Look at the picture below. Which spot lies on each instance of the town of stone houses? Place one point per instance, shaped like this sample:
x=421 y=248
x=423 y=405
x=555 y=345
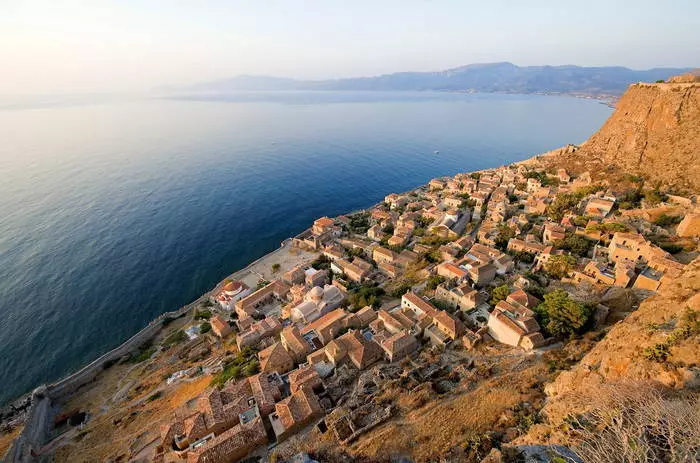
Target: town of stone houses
x=372 y=332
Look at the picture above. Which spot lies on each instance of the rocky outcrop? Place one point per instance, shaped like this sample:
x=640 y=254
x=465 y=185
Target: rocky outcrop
x=654 y=132
x=657 y=343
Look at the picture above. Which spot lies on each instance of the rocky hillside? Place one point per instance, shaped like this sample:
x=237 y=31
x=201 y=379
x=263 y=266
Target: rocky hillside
x=658 y=344
x=654 y=132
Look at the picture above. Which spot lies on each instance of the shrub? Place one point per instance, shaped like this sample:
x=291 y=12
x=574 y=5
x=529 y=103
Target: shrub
x=505 y=233
x=174 y=338
x=575 y=244
x=205 y=327
x=559 y=266
x=434 y=281
x=654 y=197
x=276 y=268
x=142 y=355
x=365 y=295
x=561 y=316
x=657 y=353
x=665 y=220
x=359 y=223
x=155 y=396
x=202 y=315
x=322 y=262
x=499 y=294
x=526 y=257
x=243 y=365
x=608 y=227
x=401 y=289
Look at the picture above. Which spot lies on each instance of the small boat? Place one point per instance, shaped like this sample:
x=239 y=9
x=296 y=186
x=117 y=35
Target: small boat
x=436 y=152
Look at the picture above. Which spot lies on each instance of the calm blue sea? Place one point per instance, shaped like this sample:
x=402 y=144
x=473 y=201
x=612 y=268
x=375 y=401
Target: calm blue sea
x=114 y=212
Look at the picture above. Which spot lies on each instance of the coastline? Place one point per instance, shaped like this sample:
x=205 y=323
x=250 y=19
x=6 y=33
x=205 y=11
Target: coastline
x=23 y=401
x=41 y=402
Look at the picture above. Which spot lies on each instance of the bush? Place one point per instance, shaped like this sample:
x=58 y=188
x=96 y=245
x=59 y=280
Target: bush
x=365 y=295
x=575 y=244
x=561 y=316
x=175 y=338
x=434 y=281
x=205 y=327
x=608 y=227
x=526 y=257
x=142 y=355
x=665 y=220
x=322 y=262
x=401 y=289
x=202 y=315
x=559 y=266
x=499 y=294
x=276 y=268
x=562 y=204
x=243 y=365
x=654 y=197
x=359 y=223
x=505 y=233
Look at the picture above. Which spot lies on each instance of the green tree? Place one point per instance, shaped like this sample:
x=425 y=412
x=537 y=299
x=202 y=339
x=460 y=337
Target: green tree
x=322 y=262
x=505 y=233
x=560 y=315
x=559 y=266
x=499 y=294
x=275 y=268
x=526 y=257
x=576 y=244
x=205 y=327
x=434 y=281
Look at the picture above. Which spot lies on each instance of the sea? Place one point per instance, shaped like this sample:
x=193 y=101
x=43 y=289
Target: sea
x=115 y=210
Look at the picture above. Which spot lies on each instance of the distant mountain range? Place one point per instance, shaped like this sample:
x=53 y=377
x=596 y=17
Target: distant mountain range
x=488 y=78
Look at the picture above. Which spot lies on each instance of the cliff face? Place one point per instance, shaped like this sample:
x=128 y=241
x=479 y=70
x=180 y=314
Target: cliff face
x=634 y=349
x=654 y=132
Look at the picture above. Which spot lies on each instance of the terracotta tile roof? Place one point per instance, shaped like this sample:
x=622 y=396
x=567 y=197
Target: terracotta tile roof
x=451 y=324
x=275 y=358
x=323 y=222
x=421 y=303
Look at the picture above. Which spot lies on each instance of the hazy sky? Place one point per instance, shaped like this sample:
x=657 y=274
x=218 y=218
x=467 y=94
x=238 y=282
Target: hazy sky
x=70 y=46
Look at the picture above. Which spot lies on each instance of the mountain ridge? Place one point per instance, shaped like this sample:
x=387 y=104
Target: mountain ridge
x=498 y=77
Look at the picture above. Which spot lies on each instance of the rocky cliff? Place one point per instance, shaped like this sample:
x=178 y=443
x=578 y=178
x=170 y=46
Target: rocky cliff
x=654 y=132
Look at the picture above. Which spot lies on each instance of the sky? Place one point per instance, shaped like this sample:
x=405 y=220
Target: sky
x=95 y=46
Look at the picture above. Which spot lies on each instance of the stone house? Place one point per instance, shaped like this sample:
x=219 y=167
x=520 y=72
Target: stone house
x=514 y=325
x=295 y=412
x=263 y=329
x=275 y=358
x=294 y=343
x=452 y=272
x=451 y=326
x=246 y=306
x=399 y=345
x=417 y=304
x=305 y=376
x=219 y=326
x=462 y=297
